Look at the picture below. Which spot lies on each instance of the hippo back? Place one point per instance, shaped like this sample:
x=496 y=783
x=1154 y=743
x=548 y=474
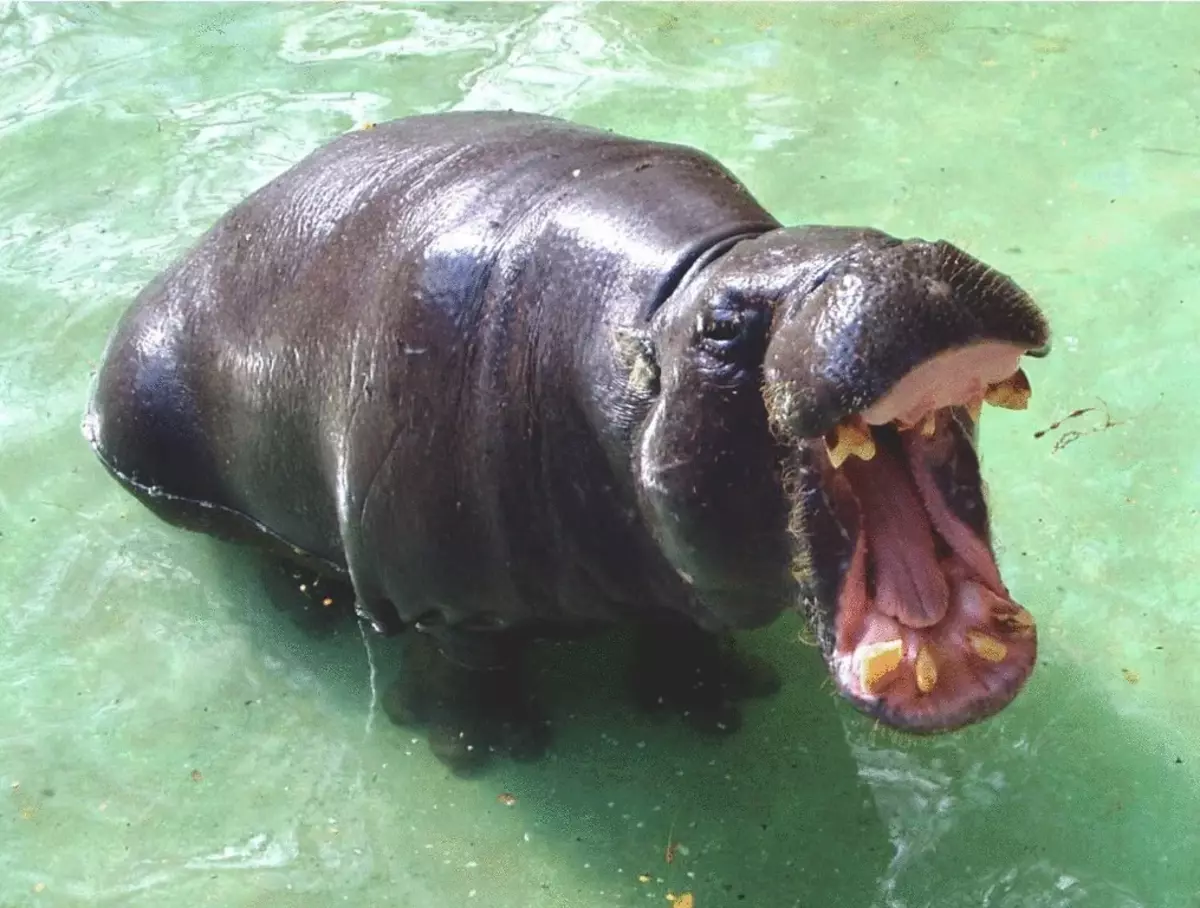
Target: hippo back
x=397 y=357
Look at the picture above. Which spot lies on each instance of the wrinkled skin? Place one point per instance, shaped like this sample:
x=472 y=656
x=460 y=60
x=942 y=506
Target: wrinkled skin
x=509 y=376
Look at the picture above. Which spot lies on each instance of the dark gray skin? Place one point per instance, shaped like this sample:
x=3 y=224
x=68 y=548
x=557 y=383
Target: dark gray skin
x=507 y=375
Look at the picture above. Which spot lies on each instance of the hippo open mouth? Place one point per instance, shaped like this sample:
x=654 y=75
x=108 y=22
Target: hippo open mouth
x=925 y=635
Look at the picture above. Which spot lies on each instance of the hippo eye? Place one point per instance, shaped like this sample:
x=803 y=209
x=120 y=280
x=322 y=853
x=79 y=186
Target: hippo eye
x=726 y=332
x=722 y=326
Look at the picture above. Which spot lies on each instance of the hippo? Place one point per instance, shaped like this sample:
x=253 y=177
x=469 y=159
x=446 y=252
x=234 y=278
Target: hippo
x=508 y=377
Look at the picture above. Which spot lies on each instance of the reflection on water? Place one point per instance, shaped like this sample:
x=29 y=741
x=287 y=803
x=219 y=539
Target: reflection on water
x=169 y=734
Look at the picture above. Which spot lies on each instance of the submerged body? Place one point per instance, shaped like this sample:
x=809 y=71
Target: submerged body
x=502 y=371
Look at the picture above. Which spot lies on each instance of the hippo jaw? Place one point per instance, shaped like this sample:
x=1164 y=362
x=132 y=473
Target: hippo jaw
x=902 y=345
x=921 y=631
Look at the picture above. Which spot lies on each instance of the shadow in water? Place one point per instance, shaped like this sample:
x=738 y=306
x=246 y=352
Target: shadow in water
x=807 y=803
x=774 y=812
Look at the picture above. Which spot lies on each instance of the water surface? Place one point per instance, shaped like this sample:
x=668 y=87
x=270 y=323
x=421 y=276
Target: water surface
x=166 y=738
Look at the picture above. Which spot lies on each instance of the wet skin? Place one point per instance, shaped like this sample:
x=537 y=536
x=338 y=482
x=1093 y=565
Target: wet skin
x=508 y=376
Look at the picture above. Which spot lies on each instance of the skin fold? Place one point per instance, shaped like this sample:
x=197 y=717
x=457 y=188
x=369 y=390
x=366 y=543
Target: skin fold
x=505 y=377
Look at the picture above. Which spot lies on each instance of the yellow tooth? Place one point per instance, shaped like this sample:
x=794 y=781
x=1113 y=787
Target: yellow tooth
x=975 y=408
x=927 y=672
x=1012 y=393
x=878 y=661
x=987 y=647
x=852 y=437
x=929 y=426
x=1019 y=622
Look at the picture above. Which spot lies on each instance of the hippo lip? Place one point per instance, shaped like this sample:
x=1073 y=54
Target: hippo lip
x=925 y=636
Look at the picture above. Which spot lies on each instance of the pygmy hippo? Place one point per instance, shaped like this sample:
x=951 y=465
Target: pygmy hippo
x=508 y=375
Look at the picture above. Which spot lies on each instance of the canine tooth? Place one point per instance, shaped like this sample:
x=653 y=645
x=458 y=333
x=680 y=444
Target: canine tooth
x=927 y=671
x=1012 y=393
x=929 y=425
x=987 y=647
x=852 y=437
x=1020 y=622
x=878 y=661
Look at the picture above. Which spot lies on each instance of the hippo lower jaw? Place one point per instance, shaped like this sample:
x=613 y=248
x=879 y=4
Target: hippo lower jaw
x=925 y=637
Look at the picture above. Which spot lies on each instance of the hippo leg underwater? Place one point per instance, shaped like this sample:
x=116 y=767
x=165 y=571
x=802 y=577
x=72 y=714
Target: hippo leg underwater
x=510 y=376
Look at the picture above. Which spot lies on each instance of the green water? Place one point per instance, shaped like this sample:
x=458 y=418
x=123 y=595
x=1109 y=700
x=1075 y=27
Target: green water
x=165 y=739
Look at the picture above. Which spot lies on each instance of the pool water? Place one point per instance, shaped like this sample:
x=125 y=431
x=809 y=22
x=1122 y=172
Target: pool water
x=169 y=737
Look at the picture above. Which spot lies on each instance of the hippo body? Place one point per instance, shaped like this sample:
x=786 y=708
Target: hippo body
x=503 y=372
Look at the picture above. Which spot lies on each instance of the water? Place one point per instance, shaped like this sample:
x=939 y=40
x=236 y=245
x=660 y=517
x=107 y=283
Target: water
x=165 y=739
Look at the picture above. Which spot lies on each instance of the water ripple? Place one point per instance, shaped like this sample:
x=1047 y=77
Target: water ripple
x=562 y=58
x=55 y=58
x=238 y=142
x=261 y=850
x=344 y=32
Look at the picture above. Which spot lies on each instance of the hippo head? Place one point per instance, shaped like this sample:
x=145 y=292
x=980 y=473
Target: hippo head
x=812 y=446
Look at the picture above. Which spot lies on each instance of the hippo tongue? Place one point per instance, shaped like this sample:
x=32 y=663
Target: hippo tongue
x=966 y=545
x=909 y=583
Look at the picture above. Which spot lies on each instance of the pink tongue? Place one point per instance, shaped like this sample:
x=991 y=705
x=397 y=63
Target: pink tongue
x=909 y=584
x=966 y=545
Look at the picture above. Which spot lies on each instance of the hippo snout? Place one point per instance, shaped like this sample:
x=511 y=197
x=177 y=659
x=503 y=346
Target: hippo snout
x=884 y=313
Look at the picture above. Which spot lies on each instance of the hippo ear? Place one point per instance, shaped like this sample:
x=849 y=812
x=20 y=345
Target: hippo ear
x=636 y=354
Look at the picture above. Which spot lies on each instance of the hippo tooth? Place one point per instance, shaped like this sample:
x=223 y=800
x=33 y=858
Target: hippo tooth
x=927 y=424
x=1012 y=393
x=1018 y=621
x=975 y=407
x=987 y=647
x=852 y=437
x=927 y=670
x=878 y=661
